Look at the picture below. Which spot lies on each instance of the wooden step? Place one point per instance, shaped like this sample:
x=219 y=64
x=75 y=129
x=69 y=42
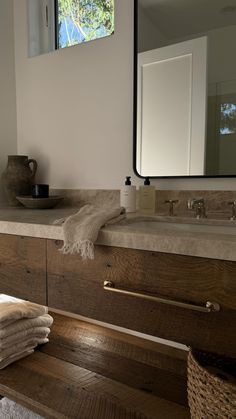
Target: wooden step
x=57 y=389
x=155 y=368
x=84 y=371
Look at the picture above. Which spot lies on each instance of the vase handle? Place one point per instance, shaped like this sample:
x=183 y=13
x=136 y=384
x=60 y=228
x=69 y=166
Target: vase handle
x=35 y=166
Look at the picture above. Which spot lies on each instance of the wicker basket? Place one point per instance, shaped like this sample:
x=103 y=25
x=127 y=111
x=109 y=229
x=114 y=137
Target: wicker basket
x=211 y=386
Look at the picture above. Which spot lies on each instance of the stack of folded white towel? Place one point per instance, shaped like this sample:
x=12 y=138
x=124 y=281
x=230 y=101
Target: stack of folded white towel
x=23 y=326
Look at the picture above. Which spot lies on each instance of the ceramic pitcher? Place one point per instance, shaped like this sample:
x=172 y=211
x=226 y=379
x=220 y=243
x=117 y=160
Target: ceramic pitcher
x=18 y=177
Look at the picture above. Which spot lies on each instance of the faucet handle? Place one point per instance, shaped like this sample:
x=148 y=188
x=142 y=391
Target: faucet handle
x=171 y=203
x=233 y=203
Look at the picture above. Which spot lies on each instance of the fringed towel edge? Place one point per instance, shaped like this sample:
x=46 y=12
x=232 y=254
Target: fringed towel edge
x=85 y=248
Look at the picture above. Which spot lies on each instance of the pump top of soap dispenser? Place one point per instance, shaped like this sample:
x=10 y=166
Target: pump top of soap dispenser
x=128 y=181
x=128 y=196
x=147 y=181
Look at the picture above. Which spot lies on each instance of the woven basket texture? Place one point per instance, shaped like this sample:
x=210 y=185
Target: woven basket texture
x=211 y=386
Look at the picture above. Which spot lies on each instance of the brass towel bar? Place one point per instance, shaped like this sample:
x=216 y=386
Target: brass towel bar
x=209 y=306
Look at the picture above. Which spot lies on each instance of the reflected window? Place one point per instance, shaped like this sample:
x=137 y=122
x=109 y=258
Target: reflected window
x=227 y=118
x=79 y=21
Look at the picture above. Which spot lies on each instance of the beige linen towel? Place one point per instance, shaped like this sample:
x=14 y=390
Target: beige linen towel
x=81 y=229
x=15 y=358
x=25 y=324
x=22 y=347
x=35 y=332
x=12 y=309
x=13 y=410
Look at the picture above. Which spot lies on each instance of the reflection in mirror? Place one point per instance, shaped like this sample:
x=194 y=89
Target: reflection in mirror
x=56 y=24
x=186 y=95
x=172 y=105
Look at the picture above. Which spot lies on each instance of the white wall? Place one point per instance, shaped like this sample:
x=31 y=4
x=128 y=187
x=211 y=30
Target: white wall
x=222 y=64
x=74 y=109
x=7 y=85
x=74 y=106
x=150 y=36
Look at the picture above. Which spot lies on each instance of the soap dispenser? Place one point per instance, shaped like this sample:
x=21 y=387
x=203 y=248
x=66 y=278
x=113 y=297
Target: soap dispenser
x=147 y=198
x=128 y=196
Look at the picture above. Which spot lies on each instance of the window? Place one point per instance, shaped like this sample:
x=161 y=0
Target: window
x=79 y=21
x=227 y=118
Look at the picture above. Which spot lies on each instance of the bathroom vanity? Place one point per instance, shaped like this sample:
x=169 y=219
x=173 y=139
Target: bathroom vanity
x=150 y=276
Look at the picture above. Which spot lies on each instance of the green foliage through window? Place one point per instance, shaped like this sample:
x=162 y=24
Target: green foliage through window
x=84 y=20
x=227 y=118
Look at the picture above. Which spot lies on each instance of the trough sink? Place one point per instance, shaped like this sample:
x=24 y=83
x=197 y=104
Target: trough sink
x=158 y=225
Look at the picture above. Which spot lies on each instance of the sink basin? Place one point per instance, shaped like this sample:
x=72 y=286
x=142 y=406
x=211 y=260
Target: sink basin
x=158 y=226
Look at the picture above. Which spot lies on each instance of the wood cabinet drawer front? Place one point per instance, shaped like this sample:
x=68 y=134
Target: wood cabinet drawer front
x=78 y=287
x=23 y=267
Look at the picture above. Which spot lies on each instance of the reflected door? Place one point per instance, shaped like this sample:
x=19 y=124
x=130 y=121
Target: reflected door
x=171 y=109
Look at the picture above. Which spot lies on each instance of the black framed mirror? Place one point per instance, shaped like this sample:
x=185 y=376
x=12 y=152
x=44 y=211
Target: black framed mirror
x=184 y=88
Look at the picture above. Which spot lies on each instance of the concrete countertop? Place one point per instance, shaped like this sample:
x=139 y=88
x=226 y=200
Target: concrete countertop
x=33 y=223
x=154 y=233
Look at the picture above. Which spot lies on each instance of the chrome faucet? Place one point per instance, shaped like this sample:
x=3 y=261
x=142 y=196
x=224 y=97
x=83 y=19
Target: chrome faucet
x=199 y=206
x=233 y=216
x=171 y=203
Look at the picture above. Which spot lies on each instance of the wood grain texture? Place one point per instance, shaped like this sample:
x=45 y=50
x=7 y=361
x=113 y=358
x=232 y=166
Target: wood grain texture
x=145 y=365
x=23 y=267
x=77 y=286
x=54 y=382
x=57 y=389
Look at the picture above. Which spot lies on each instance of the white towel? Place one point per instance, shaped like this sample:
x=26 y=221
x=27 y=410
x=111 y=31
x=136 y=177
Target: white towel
x=35 y=332
x=23 y=346
x=81 y=229
x=15 y=357
x=24 y=324
x=12 y=309
x=12 y=410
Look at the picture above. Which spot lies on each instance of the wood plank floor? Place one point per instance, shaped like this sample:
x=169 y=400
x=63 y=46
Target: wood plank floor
x=58 y=388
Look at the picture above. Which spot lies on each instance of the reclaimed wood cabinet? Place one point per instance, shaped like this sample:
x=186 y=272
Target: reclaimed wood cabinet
x=23 y=267
x=77 y=286
x=34 y=269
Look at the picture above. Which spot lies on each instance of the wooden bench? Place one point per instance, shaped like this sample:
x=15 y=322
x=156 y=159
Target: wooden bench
x=91 y=372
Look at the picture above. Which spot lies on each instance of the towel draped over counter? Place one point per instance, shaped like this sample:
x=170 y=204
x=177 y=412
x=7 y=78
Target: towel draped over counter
x=81 y=229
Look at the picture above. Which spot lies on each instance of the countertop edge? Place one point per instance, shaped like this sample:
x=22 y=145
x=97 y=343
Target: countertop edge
x=213 y=247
